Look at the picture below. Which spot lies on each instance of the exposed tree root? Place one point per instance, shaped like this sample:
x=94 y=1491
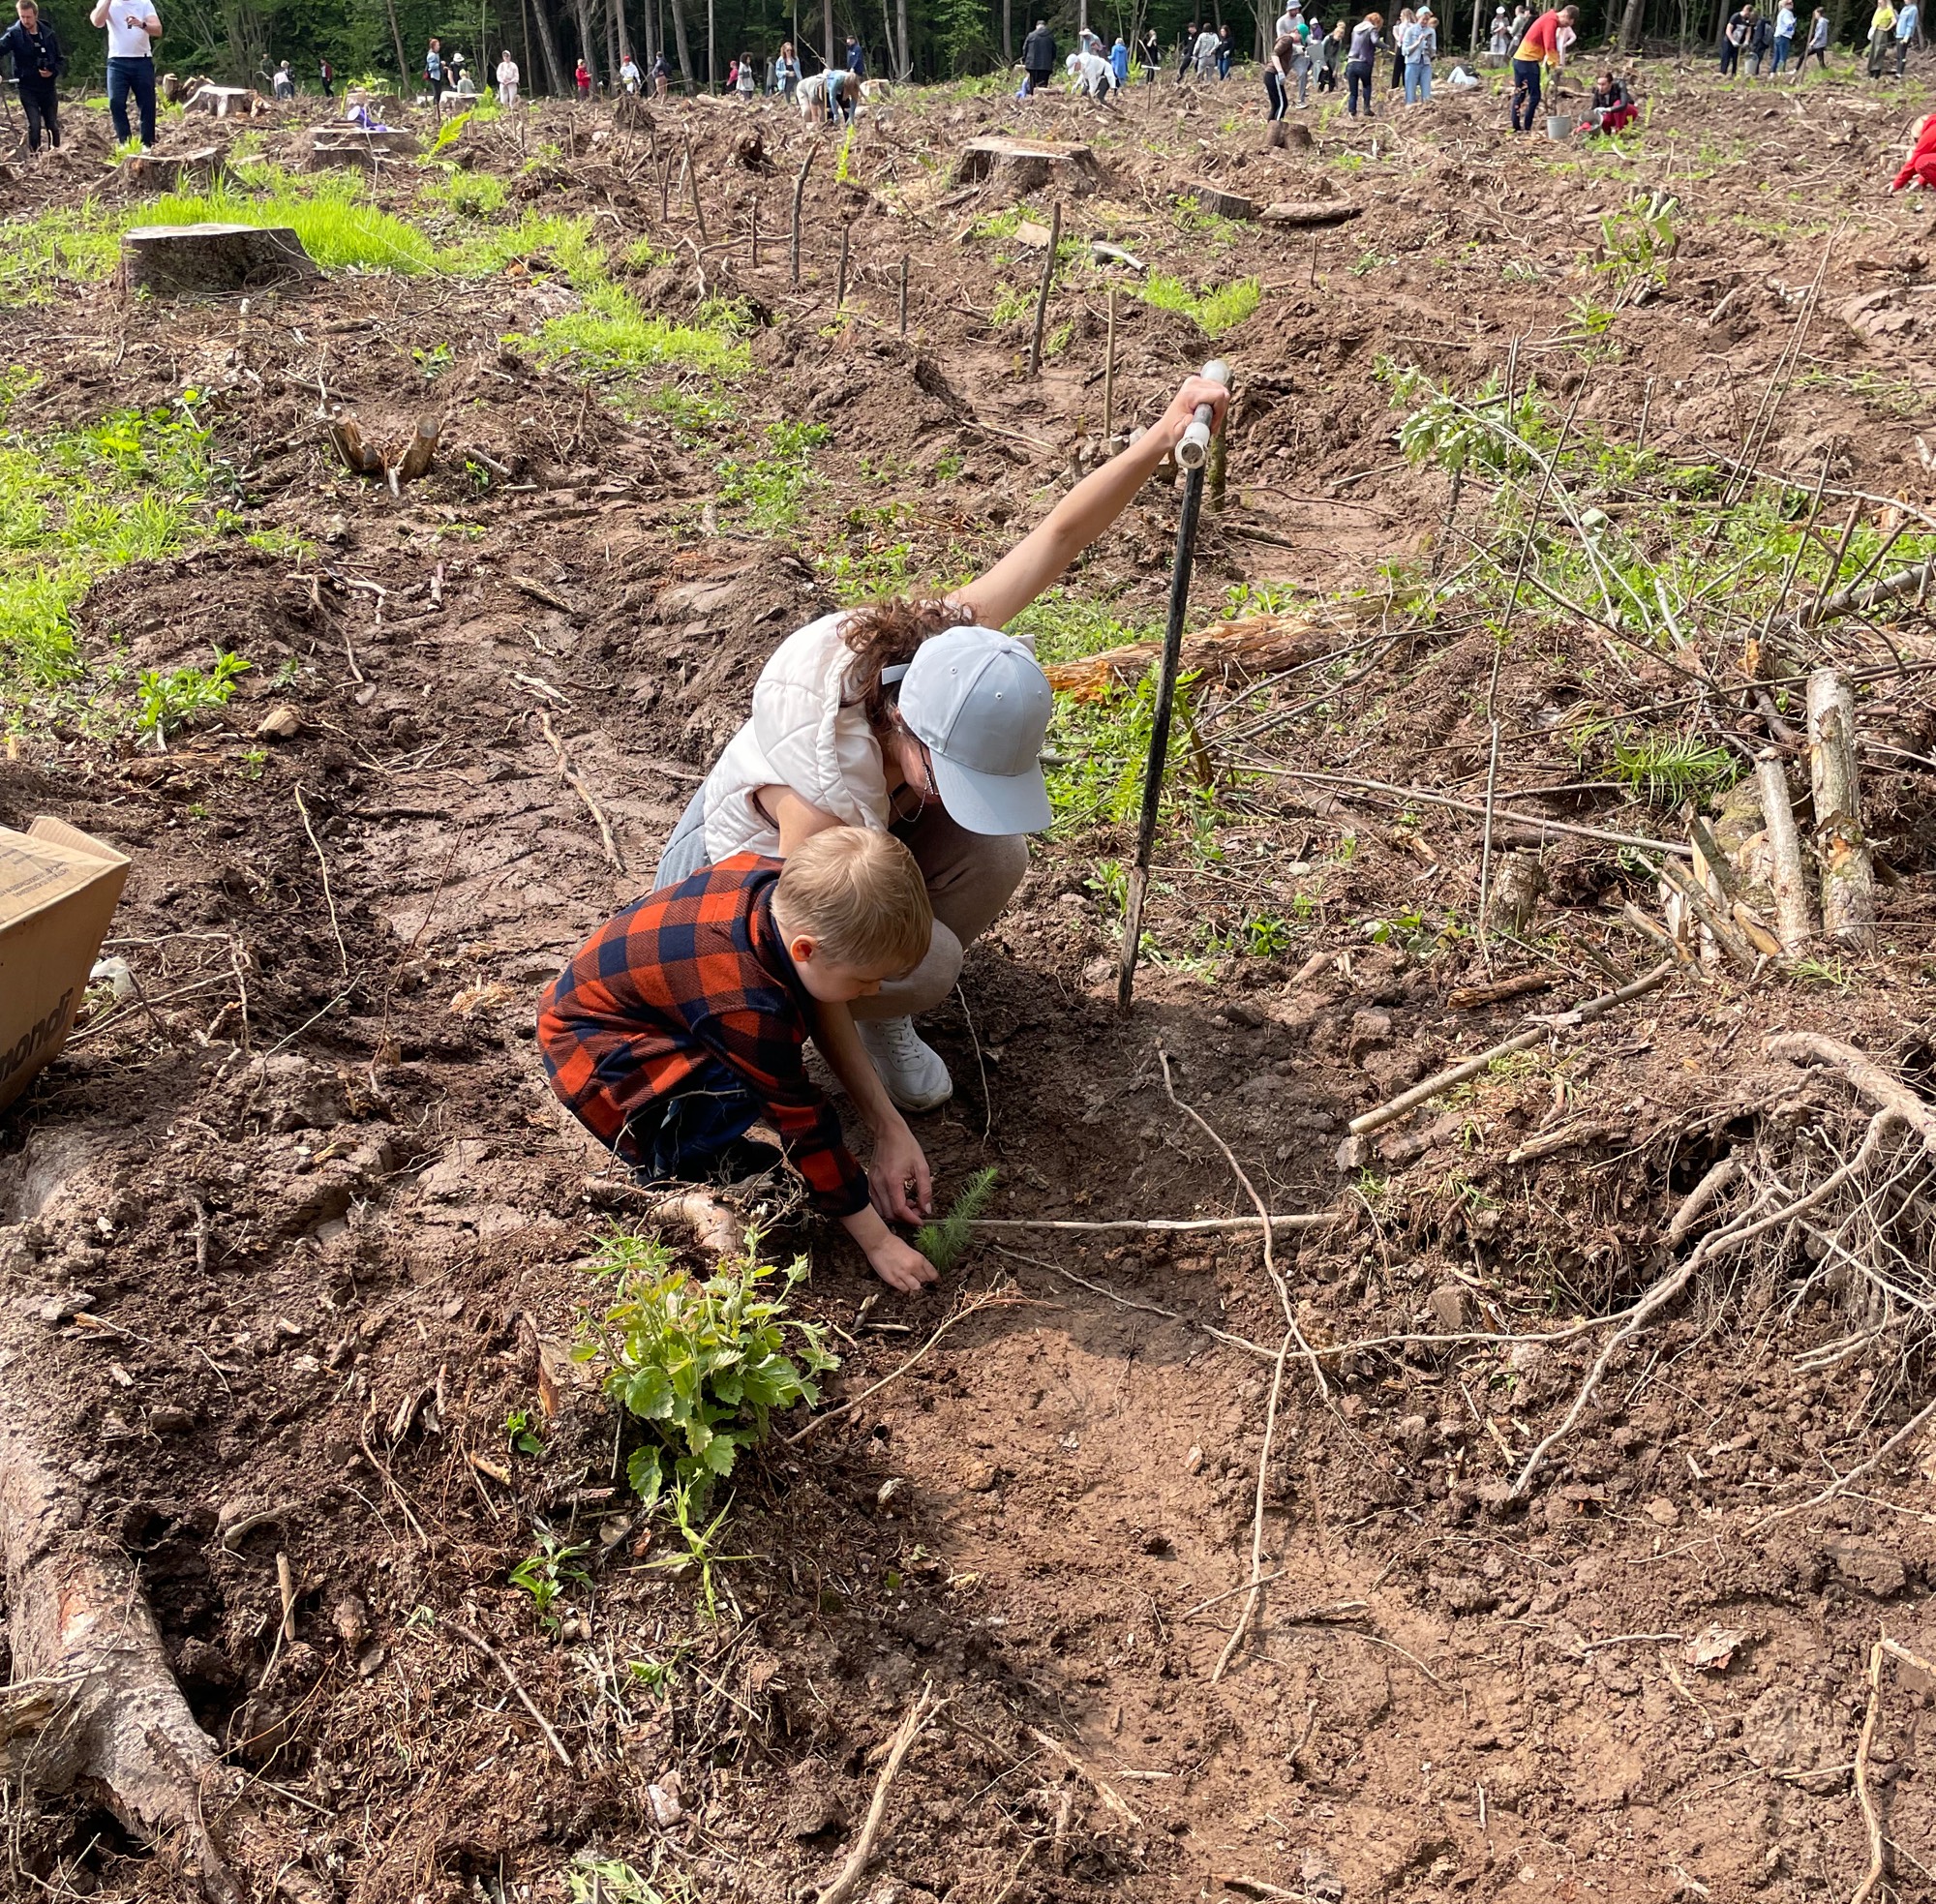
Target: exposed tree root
x=112 y=1718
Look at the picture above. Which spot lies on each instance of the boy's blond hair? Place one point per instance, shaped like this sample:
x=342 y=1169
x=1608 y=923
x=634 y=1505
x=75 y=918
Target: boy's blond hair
x=860 y=896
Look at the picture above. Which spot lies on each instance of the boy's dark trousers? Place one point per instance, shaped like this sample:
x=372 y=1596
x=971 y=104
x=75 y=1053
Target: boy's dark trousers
x=137 y=76
x=699 y=1133
x=1526 y=93
x=40 y=101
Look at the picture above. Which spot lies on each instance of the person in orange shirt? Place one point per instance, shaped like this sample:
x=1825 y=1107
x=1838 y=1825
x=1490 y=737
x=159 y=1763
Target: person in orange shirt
x=1541 y=48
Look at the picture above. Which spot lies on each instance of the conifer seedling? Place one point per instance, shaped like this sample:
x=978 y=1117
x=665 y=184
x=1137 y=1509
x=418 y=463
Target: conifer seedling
x=943 y=1242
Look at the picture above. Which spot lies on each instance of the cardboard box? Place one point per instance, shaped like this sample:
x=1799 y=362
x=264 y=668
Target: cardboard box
x=58 y=889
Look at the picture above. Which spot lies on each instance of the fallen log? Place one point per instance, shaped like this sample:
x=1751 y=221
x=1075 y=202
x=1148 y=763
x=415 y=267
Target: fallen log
x=1865 y=598
x=1238 y=652
x=189 y=260
x=1848 y=876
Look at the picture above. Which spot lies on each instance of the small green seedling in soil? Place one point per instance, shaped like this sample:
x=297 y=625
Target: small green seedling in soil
x=942 y=1243
x=521 y=1430
x=546 y=1574
x=699 y=1541
x=611 y=1881
x=170 y=701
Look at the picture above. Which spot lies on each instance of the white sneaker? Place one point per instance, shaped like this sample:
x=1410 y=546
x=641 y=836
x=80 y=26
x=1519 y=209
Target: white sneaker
x=913 y=1072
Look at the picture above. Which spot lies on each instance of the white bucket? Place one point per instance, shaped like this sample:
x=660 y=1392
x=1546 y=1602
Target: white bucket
x=1559 y=128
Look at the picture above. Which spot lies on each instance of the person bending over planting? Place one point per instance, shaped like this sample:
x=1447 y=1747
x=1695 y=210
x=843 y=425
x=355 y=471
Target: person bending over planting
x=915 y=718
x=684 y=1019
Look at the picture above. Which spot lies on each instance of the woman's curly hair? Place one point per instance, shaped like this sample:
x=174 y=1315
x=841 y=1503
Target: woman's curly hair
x=884 y=634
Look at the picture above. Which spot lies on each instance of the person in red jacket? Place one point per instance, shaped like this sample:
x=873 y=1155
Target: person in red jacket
x=1922 y=167
x=583 y=78
x=1540 y=49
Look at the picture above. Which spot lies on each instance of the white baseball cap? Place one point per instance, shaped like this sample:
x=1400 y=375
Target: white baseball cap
x=977 y=700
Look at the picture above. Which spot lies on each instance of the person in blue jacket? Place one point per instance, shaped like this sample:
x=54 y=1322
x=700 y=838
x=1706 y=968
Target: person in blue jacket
x=1119 y=60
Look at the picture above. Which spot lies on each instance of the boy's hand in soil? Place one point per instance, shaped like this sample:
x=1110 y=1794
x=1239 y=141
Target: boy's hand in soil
x=897 y=1177
x=900 y=1265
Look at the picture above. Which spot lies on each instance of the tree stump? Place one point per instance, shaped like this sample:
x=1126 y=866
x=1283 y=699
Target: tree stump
x=629 y=113
x=1288 y=134
x=1018 y=166
x=226 y=102
x=1224 y=204
x=171 y=88
x=189 y=260
x=1313 y=211
x=151 y=171
x=359 y=146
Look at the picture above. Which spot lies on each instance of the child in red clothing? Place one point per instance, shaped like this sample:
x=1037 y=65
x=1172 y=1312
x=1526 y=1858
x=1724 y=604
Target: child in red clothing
x=684 y=1018
x=1921 y=165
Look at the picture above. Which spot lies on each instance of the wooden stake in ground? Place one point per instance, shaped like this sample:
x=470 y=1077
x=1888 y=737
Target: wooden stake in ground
x=692 y=179
x=1047 y=284
x=902 y=307
x=841 y=290
x=799 y=187
x=1847 y=877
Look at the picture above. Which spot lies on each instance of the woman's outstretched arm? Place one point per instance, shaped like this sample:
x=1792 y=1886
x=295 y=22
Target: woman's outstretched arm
x=996 y=598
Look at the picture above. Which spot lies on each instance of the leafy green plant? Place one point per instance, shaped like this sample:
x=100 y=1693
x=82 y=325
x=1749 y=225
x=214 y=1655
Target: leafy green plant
x=1637 y=242
x=170 y=701
x=595 y=1879
x=548 y=1573
x=1482 y=431
x=703 y=1364
x=521 y=1431
x=943 y=1241
x=447 y=135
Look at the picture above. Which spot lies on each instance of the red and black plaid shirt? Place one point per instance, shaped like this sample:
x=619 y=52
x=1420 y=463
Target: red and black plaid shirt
x=692 y=973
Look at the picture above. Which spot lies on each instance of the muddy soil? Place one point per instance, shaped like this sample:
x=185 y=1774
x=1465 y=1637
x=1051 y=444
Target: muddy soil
x=282 y=1257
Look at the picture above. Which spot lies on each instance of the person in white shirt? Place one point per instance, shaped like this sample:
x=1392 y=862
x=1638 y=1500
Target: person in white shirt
x=1090 y=73
x=1784 y=35
x=133 y=28
x=283 y=82
x=629 y=74
x=1204 y=52
x=507 y=79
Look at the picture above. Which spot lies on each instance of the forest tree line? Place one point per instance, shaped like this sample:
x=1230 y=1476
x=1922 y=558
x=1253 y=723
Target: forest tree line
x=243 y=41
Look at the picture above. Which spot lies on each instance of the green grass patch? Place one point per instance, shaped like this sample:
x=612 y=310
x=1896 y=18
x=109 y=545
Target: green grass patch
x=771 y=489
x=1213 y=310
x=75 y=506
x=335 y=220
x=470 y=195
x=612 y=336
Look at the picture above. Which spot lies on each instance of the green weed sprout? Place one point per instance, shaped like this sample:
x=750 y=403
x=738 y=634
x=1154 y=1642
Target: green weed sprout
x=546 y=1574
x=942 y=1243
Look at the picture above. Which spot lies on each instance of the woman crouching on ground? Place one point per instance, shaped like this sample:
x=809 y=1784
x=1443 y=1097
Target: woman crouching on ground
x=917 y=718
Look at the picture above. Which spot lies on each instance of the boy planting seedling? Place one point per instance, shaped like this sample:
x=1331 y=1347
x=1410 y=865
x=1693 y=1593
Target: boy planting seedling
x=683 y=1020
